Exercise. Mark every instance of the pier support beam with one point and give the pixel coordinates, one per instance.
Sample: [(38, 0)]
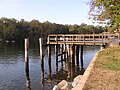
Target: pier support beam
[(27, 63), (41, 52), (71, 61), (61, 53), (68, 50), (26, 54), (56, 55), (81, 56), (65, 52), (72, 54), (77, 55), (41, 61), (49, 63)]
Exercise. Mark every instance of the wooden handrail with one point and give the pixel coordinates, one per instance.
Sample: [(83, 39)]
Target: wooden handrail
[(81, 38)]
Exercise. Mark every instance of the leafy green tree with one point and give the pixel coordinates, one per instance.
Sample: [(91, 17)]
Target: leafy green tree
[(74, 28), (106, 11), (23, 29), (34, 28), (8, 28)]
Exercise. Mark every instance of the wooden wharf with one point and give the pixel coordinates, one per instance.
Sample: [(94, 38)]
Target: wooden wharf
[(83, 39), (69, 47)]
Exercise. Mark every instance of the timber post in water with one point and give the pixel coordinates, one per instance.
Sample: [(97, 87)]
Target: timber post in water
[(64, 52), (77, 55), (49, 62), (68, 50), (27, 63), (41, 61), (26, 54), (56, 55), (61, 53), (41, 52), (72, 54), (81, 56)]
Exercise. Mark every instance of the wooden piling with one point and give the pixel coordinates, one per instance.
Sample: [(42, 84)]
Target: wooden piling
[(27, 63), (71, 70), (81, 56), (49, 63), (48, 39), (61, 53), (72, 54), (56, 55), (41, 61), (49, 54), (41, 52), (77, 56), (68, 50), (26, 54), (65, 52)]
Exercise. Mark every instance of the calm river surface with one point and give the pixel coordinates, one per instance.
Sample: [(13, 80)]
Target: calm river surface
[(12, 67)]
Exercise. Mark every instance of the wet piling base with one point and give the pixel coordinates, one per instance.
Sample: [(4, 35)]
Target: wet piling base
[(69, 56)]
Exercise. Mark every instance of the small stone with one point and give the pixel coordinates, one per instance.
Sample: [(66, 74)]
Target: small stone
[(77, 78), (56, 87), (64, 85), (74, 84)]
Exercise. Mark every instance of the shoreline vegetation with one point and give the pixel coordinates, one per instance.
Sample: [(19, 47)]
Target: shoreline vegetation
[(105, 74), (14, 30)]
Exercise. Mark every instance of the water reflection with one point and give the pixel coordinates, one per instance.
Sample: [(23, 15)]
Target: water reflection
[(42, 77), (49, 63), (68, 71), (27, 79), (36, 78)]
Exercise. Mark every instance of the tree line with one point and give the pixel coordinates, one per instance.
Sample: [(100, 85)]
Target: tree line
[(12, 29)]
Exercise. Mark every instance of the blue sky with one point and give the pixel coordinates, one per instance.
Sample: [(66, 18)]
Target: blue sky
[(55, 11)]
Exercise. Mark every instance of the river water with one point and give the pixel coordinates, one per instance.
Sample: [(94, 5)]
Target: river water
[(12, 67)]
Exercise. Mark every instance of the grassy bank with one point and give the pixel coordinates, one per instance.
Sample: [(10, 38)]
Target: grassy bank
[(106, 72)]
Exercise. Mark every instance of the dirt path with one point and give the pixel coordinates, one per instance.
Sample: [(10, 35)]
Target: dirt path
[(101, 79)]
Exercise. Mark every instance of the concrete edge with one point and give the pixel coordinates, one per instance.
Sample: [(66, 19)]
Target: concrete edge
[(86, 74)]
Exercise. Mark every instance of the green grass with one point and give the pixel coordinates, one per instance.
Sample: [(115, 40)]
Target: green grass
[(109, 59)]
